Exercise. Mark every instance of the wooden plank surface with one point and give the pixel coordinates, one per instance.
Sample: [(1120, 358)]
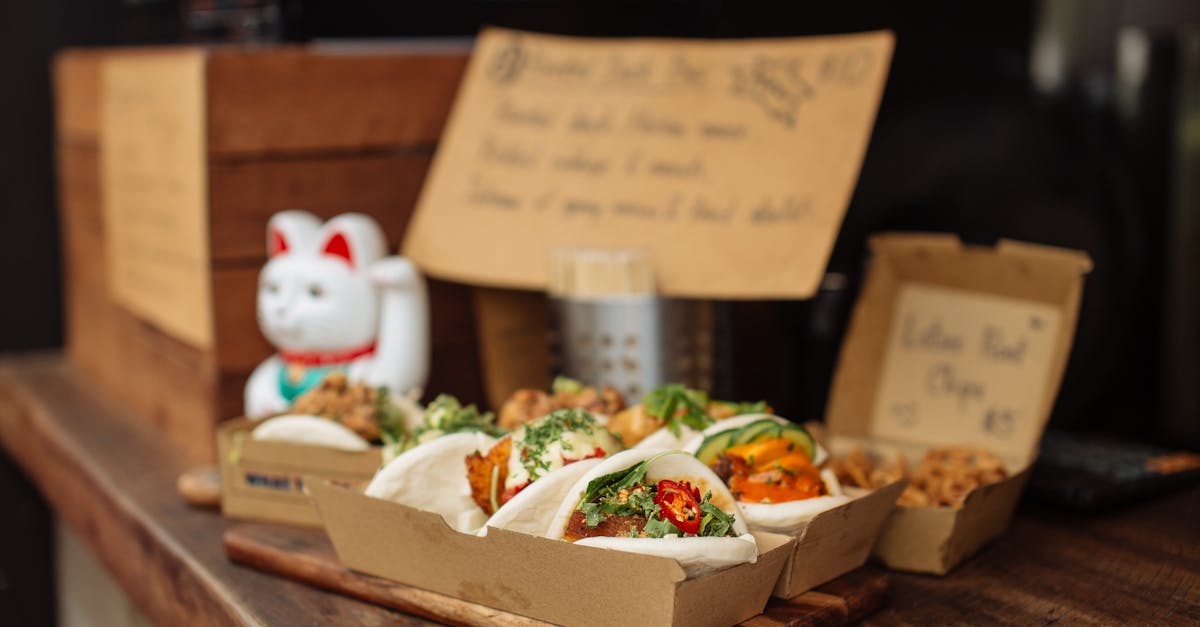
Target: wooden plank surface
[(352, 101), (306, 555), (1133, 566), (111, 479)]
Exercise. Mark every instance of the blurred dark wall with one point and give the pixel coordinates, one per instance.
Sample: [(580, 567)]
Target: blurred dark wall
[(30, 283)]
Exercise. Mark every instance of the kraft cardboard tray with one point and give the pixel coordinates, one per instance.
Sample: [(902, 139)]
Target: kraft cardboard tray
[(838, 540), (264, 481), (544, 579), (982, 281)]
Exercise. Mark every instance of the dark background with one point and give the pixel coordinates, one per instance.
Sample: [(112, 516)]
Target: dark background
[(980, 133)]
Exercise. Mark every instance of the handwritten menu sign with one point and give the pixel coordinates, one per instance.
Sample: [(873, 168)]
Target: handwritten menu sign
[(963, 367), (733, 162), (155, 201)]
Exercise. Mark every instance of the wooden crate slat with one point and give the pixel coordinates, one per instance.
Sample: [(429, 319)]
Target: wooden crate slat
[(244, 194), (296, 100)]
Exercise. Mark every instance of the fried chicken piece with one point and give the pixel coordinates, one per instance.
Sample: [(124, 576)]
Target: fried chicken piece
[(634, 424), (607, 400), (353, 405), (527, 405), (479, 474)]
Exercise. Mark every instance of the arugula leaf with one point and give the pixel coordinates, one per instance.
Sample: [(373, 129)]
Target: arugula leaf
[(622, 479), (592, 512), (657, 527), (716, 521), (666, 401)]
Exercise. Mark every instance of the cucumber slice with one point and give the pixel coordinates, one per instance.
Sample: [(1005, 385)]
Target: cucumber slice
[(798, 435), (715, 444), (756, 430)]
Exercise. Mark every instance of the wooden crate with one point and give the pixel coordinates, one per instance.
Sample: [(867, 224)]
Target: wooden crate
[(286, 127)]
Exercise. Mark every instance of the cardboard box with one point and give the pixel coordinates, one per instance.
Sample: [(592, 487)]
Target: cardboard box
[(544, 579), (955, 345), (838, 540), (362, 142), (265, 480)]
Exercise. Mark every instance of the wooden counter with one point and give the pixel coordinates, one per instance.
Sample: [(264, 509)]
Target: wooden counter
[(111, 479)]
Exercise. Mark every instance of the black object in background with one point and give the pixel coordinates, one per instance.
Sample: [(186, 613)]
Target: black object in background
[(1091, 473), (30, 282)]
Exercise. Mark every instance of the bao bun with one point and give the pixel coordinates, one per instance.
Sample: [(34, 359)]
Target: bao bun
[(695, 555), (787, 518), (530, 511), (433, 477), (310, 430)]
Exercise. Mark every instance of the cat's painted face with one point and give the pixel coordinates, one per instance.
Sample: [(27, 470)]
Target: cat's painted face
[(317, 295)]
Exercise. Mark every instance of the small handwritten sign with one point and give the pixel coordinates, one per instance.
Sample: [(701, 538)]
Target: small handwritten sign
[(733, 162), (964, 367), (155, 201)]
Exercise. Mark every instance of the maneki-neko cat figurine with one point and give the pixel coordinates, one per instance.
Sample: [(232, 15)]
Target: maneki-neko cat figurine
[(329, 299)]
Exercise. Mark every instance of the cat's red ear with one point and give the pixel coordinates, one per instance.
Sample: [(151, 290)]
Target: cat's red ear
[(277, 244), (338, 246)]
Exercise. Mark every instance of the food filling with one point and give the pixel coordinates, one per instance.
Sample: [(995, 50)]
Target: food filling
[(769, 471), (532, 451), (527, 405), (765, 462), (625, 504), (675, 406)]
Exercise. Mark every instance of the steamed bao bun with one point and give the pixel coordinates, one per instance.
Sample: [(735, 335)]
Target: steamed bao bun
[(696, 555), (531, 510), (788, 518), (309, 430), (433, 477)]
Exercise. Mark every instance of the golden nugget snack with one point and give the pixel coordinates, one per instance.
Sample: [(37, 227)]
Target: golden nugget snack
[(943, 478)]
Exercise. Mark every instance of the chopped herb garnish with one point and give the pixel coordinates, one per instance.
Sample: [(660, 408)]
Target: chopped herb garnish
[(443, 416), (547, 430)]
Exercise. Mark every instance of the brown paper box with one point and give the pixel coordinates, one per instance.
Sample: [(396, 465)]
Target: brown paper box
[(265, 480), (545, 579), (903, 402), (838, 540)]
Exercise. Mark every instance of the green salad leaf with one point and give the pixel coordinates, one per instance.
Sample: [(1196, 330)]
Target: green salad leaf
[(666, 401)]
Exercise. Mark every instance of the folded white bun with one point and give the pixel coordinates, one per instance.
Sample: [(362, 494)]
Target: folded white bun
[(311, 430), (433, 477), (695, 555), (531, 510), (787, 518)]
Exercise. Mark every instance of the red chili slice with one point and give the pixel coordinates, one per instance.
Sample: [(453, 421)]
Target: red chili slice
[(680, 504)]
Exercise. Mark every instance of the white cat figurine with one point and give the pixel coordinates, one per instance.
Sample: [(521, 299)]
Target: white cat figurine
[(328, 299)]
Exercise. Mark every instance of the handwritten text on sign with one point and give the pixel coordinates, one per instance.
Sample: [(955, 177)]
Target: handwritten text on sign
[(964, 367), (732, 161)]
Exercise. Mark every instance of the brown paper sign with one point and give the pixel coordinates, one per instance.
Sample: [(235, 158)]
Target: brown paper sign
[(964, 367), (732, 161), (155, 201)]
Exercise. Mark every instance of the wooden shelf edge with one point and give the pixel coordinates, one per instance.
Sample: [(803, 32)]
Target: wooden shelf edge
[(123, 535)]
